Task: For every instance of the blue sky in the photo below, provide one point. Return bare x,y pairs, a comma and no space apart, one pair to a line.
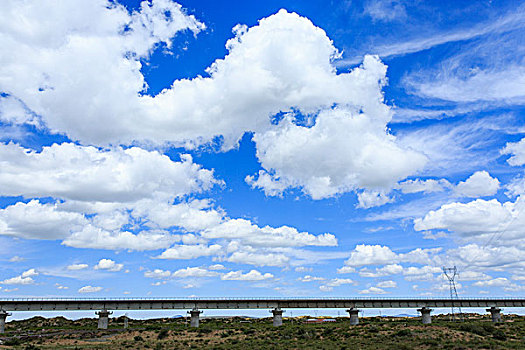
276,148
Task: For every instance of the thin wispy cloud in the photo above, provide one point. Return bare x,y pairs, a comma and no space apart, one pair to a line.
511,21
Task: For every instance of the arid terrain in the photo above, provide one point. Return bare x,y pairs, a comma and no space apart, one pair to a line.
475,332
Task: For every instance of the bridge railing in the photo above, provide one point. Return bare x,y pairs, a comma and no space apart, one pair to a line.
90,299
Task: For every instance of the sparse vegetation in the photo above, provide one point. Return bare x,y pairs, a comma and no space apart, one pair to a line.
477,332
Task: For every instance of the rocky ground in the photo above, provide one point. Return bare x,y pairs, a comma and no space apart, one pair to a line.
475,332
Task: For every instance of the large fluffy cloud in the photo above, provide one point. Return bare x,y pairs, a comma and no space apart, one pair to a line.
479,218
130,199
284,236
344,150
489,257
84,173
72,54
284,62
364,255
491,230
478,184
34,220
98,238
249,243
95,192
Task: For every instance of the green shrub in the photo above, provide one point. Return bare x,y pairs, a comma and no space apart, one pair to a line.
499,334
373,329
248,331
11,342
430,342
153,327
162,334
482,329
30,347
403,333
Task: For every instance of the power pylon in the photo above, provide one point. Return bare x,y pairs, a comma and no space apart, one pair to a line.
451,273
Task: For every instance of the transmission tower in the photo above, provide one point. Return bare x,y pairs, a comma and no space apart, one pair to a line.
451,273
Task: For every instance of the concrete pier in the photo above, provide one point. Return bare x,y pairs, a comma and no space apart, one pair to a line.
354,316
277,317
194,320
103,318
3,316
425,315
495,312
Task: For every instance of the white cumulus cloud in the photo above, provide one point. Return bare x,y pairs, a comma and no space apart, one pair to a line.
479,219
253,275
372,290
34,220
85,173
359,148
479,184
108,265
85,43
369,199
517,152
336,282
25,278
190,251
364,255
261,75
387,270
267,236
193,272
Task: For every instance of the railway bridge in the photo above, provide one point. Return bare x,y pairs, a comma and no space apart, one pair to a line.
105,306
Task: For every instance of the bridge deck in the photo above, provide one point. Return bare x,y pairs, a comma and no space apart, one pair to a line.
247,303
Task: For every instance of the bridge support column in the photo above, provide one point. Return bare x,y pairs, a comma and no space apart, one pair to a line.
425,315
3,316
194,317
103,318
354,316
277,317
495,312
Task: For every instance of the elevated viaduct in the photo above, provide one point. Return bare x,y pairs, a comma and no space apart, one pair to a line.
104,306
